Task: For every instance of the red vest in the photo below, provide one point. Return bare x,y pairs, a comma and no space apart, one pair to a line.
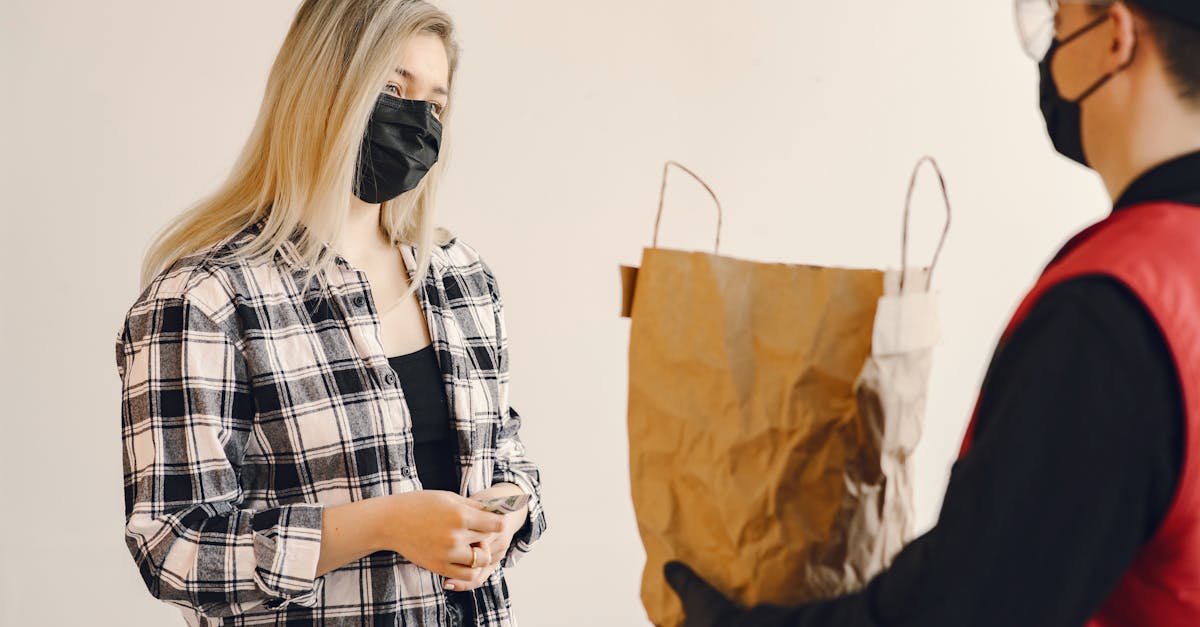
1154,249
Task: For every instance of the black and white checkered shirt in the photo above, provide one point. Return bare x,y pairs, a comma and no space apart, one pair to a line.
248,406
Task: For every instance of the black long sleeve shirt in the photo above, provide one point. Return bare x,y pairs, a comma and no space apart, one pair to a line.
1077,452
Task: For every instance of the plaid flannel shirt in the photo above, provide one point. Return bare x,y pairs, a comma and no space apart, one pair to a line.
248,406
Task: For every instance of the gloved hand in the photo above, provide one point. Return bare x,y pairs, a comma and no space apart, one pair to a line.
703,605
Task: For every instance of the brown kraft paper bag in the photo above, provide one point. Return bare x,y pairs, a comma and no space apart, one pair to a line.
772,412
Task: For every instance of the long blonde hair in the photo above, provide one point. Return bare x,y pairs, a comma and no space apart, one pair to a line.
298,165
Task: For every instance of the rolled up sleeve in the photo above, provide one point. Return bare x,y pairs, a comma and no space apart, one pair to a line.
186,417
512,465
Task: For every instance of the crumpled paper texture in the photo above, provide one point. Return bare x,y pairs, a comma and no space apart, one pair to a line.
769,442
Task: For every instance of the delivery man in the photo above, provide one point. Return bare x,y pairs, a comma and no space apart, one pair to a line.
1076,497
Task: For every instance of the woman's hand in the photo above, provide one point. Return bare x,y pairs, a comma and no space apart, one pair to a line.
497,546
441,532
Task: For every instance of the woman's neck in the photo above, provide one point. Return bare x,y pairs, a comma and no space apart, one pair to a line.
361,236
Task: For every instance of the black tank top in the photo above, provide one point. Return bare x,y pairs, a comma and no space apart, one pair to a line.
435,443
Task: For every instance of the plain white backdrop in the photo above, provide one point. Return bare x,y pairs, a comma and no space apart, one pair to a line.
806,117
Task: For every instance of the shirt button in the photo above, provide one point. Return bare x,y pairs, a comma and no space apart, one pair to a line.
407,471
359,301
389,378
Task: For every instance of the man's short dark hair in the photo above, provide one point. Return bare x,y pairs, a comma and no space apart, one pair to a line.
1180,45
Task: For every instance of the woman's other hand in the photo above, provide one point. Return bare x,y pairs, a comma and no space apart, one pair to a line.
495,547
441,532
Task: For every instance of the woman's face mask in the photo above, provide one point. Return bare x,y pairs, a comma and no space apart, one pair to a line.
401,145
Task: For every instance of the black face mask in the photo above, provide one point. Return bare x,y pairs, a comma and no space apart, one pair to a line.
402,142
1064,120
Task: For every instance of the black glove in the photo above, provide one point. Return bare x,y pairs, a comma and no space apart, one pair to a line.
703,605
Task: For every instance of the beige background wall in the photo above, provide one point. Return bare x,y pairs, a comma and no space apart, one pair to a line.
805,116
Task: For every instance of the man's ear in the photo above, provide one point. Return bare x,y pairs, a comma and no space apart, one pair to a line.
1125,34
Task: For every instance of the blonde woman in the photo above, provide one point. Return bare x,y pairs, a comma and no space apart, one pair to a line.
315,381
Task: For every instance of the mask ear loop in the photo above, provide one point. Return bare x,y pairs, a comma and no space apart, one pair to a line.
908,213
662,195
1103,79
1083,30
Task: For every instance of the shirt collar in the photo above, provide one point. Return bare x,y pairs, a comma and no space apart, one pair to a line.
1176,180
288,251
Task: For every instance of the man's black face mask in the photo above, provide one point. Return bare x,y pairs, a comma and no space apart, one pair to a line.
1064,121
